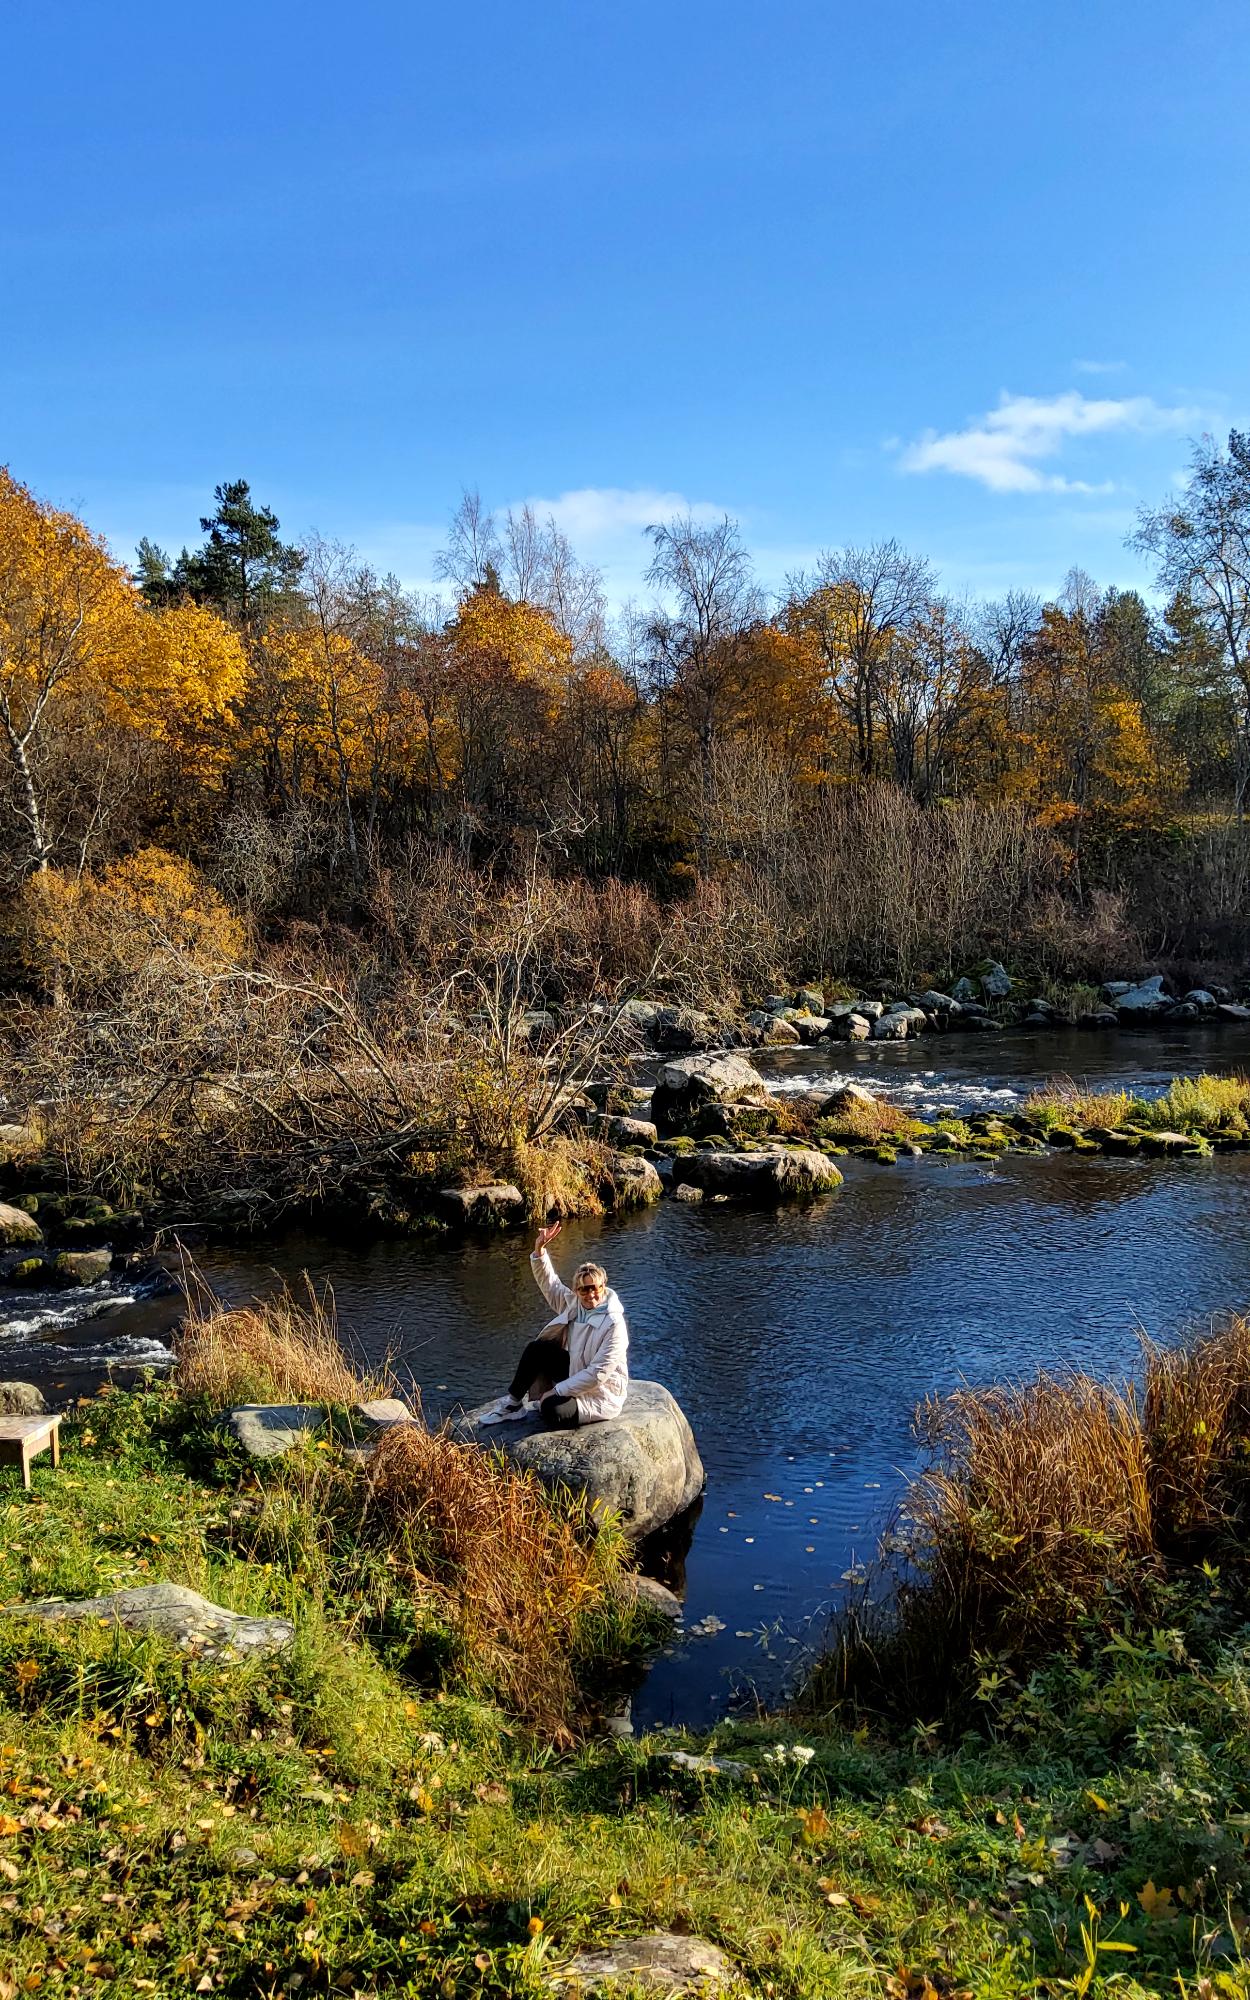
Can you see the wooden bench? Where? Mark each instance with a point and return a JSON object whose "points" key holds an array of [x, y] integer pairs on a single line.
{"points": [[22, 1437]]}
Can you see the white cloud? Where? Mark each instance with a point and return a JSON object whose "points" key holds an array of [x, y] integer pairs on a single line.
{"points": [[1002, 449], [597, 514]]}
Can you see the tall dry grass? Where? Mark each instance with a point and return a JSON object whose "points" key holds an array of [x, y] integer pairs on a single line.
{"points": [[277, 1350], [516, 1573], [1046, 1505], [1196, 1419], [1038, 1500]]}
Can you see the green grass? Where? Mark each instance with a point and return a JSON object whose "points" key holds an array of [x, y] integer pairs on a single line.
{"points": [[347, 1816]]}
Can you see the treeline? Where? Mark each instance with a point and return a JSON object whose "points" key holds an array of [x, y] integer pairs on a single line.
{"points": [[310, 733]]}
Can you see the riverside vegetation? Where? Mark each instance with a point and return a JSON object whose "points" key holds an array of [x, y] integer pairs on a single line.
{"points": [[1028, 1776], [316, 895]]}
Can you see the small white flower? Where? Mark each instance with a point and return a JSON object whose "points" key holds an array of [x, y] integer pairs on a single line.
{"points": [[802, 1754]]}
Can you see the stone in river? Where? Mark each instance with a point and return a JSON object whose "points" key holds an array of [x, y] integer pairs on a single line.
{"points": [[493, 1205], [174, 1611], [644, 1464], [900, 1022], [80, 1267], [18, 1227], [767, 1175], [634, 1182], [1228, 1010], [995, 982], [1147, 998], [686, 1085], [617, 1130], [774, 1030]]}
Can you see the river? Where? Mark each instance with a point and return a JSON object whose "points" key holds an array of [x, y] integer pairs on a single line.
{"points": [[799, 1341]]}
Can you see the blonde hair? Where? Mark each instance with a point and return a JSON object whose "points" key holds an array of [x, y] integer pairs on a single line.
{"points": [[595, 1271]]}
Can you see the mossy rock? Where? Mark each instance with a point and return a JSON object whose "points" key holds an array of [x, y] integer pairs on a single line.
{"points": [[1084, 1144], [675, 1149], [885, 1156], [31, 1271], [1171, 1142], [1062, 1135], [945, 1142]]}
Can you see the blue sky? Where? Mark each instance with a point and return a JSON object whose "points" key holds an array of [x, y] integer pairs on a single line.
{"points": [[970, 275]]}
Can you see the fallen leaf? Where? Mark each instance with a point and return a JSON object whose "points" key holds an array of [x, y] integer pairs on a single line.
{"points": [[1156, 1903]]}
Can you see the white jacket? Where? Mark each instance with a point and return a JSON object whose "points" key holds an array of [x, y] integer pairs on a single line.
{"points": [[597, 1342]]}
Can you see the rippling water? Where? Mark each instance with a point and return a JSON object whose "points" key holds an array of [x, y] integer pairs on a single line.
{"points": [[798, 1342]]}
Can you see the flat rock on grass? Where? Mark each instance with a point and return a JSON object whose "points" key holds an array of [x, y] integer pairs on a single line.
{"points": [[644, 1464], [661, 1963], [176, 1613], [270, 1430]]}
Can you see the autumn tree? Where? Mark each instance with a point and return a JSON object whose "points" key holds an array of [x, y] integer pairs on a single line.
{"points": [[81, 656], [1201, 545], [860, 603]]}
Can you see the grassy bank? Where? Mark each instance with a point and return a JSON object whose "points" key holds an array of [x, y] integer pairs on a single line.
{"points": [[413, 1800]]}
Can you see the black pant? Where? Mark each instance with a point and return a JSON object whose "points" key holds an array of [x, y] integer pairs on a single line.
{"points": [[542, 1361]]}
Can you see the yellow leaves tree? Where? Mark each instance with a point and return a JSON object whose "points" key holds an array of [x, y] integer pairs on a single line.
{"points": [[148, 916], [509, 680], [79, 647]]}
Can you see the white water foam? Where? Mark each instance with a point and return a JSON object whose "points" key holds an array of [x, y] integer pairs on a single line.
{"points": [[930, 1093], [86, 1304]]}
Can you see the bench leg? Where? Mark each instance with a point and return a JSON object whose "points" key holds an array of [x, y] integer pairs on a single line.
{"points": [[25, 1468], [56, 1447]]}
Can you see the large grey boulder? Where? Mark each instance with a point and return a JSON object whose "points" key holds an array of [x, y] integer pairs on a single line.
{"points": [[663, 1963], [644, 1464], [270, 1430], [176, 1613], [811, 999], [767, 1175], [494, 1205], [1230, 1010], [17, 1227], [685, 1085], [995, 982], [21, 1399], [1144, 999]]}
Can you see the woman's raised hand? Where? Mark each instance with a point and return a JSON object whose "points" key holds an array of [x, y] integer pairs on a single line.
{"points": [[547, 1234]]}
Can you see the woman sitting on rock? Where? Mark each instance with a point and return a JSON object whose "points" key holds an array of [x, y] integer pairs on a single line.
{"points": [[576, 1371]]}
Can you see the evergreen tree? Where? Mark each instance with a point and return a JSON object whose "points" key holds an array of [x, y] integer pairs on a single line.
{"points": [[243, 567]]}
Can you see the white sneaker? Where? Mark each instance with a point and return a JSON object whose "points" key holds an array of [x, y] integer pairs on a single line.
{"points": [[505, 1411]]}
